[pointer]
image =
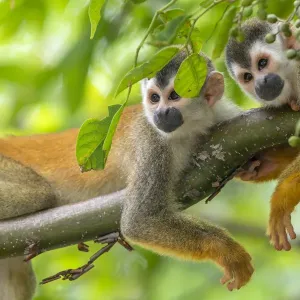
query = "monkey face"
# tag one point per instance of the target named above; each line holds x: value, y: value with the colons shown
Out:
x: 177, y: 116
x: 163, y: 106
x: 267, y: 75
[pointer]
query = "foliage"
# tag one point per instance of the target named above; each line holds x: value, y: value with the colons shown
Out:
x: 170, y: 27
x: 53, y: 76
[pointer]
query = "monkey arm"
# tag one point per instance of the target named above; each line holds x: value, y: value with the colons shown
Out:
x: 284, y: 199
x: 151, y: 220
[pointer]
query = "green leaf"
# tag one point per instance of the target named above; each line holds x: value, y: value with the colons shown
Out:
x: 223, y: 33
x: 171, y: 14
x: 149, y: 68
x: 191, y: 76
x: 90, y: 141
x: 95, y: 14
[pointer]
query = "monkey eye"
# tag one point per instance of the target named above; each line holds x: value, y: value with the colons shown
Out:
x: 262, y: 63
x: 248, y: 77
x: 174, y: 96
x: 154, y: 98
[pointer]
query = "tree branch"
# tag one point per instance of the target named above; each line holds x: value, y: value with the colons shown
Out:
x: 229, y: 145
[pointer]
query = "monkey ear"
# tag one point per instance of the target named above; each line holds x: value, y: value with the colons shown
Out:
x: 214, y: 88
x: 291, y: 42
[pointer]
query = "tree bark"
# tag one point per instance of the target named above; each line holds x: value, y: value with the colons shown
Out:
x: 228, y: 146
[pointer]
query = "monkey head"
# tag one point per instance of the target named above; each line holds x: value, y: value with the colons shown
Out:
x: 173, y: 115
x: 262, y: 70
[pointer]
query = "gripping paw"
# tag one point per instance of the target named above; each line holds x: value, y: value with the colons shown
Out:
x: 280, y: 227
x: 250, y: 172
x: 295, y: 104
x: 237, y: 272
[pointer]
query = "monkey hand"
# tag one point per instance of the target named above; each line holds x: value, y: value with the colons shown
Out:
x: 294, y: 104
x: 279, y: 228
x: 260, y: 169
x: 250, y: 171
x: 237, y: 267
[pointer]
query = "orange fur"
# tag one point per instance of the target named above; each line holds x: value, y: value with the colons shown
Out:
x: 283, y: 202
x: 287, y: 194
x: 53, y: 157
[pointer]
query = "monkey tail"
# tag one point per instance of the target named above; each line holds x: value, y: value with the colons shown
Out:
x: 17, y: 280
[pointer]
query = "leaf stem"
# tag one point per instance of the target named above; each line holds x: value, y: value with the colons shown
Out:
x: 215, y: 3
x: 151, y: 28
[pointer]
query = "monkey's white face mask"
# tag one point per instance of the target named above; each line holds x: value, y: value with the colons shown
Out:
x: 272, y: 78
x: 174, y: 116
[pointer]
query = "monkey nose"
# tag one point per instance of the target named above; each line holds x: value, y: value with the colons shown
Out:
x: 168, y: 119
x: 270, y: 87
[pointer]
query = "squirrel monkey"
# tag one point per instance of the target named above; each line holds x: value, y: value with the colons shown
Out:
x: 264, y: 72
x: 150, y: 149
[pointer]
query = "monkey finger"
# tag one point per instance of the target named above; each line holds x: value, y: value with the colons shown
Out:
x: 275, y: 241
x: 283, y: 240
x: 254, y: 165
x: 294, y: 105
x: 231, y: 285
x: 289, y: 226
x: 227, y: 277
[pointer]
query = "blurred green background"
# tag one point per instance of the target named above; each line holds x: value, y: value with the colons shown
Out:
x: 53, y: 77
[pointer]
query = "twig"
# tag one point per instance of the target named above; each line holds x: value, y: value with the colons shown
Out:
x: 150, y: 29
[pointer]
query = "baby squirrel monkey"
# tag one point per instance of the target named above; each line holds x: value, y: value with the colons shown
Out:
x: 149, y: 151
x: 264, y: 72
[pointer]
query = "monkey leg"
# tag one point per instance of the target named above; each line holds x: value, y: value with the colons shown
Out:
x: 283, y: 202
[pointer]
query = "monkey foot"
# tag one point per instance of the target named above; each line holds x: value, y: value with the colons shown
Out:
x: 72, y: 274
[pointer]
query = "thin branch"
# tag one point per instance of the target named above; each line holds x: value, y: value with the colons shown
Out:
x: 228, y: 146
x: 151, y: 28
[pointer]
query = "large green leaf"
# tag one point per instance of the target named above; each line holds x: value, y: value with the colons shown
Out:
x: 95, y: 14
x: 191, y: 76
x: 91, y: 138
x: 223, y: 32
x: 149, y: 68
